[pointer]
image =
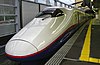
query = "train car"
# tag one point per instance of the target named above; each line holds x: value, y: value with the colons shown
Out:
x: 45, y: 34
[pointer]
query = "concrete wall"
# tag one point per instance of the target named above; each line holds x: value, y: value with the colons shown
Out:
x: 30, y: 10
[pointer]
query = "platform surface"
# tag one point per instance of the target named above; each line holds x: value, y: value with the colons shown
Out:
x: 83, y: 48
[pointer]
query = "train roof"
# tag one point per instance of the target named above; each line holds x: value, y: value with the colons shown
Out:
x: 65, y: 9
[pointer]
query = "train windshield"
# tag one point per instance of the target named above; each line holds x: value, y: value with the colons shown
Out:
x: 51, y: 12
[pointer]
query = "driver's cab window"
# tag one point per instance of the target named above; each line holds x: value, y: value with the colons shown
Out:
x: 57, y: 13
x: 50, y: 12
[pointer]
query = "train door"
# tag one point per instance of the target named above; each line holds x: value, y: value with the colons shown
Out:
x: 78, y: 17
x: 75, y: 18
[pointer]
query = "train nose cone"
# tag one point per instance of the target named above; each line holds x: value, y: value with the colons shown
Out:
x: 20, y: 48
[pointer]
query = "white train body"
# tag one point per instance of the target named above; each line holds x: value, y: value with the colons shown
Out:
x: 44, y: 34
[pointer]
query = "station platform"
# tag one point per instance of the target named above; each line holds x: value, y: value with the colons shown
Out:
x: 83, y: 48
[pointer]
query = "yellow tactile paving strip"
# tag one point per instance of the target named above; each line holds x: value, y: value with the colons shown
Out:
x: 85, y: 54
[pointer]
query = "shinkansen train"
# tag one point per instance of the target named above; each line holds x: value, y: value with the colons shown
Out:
x: 45, y: 34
